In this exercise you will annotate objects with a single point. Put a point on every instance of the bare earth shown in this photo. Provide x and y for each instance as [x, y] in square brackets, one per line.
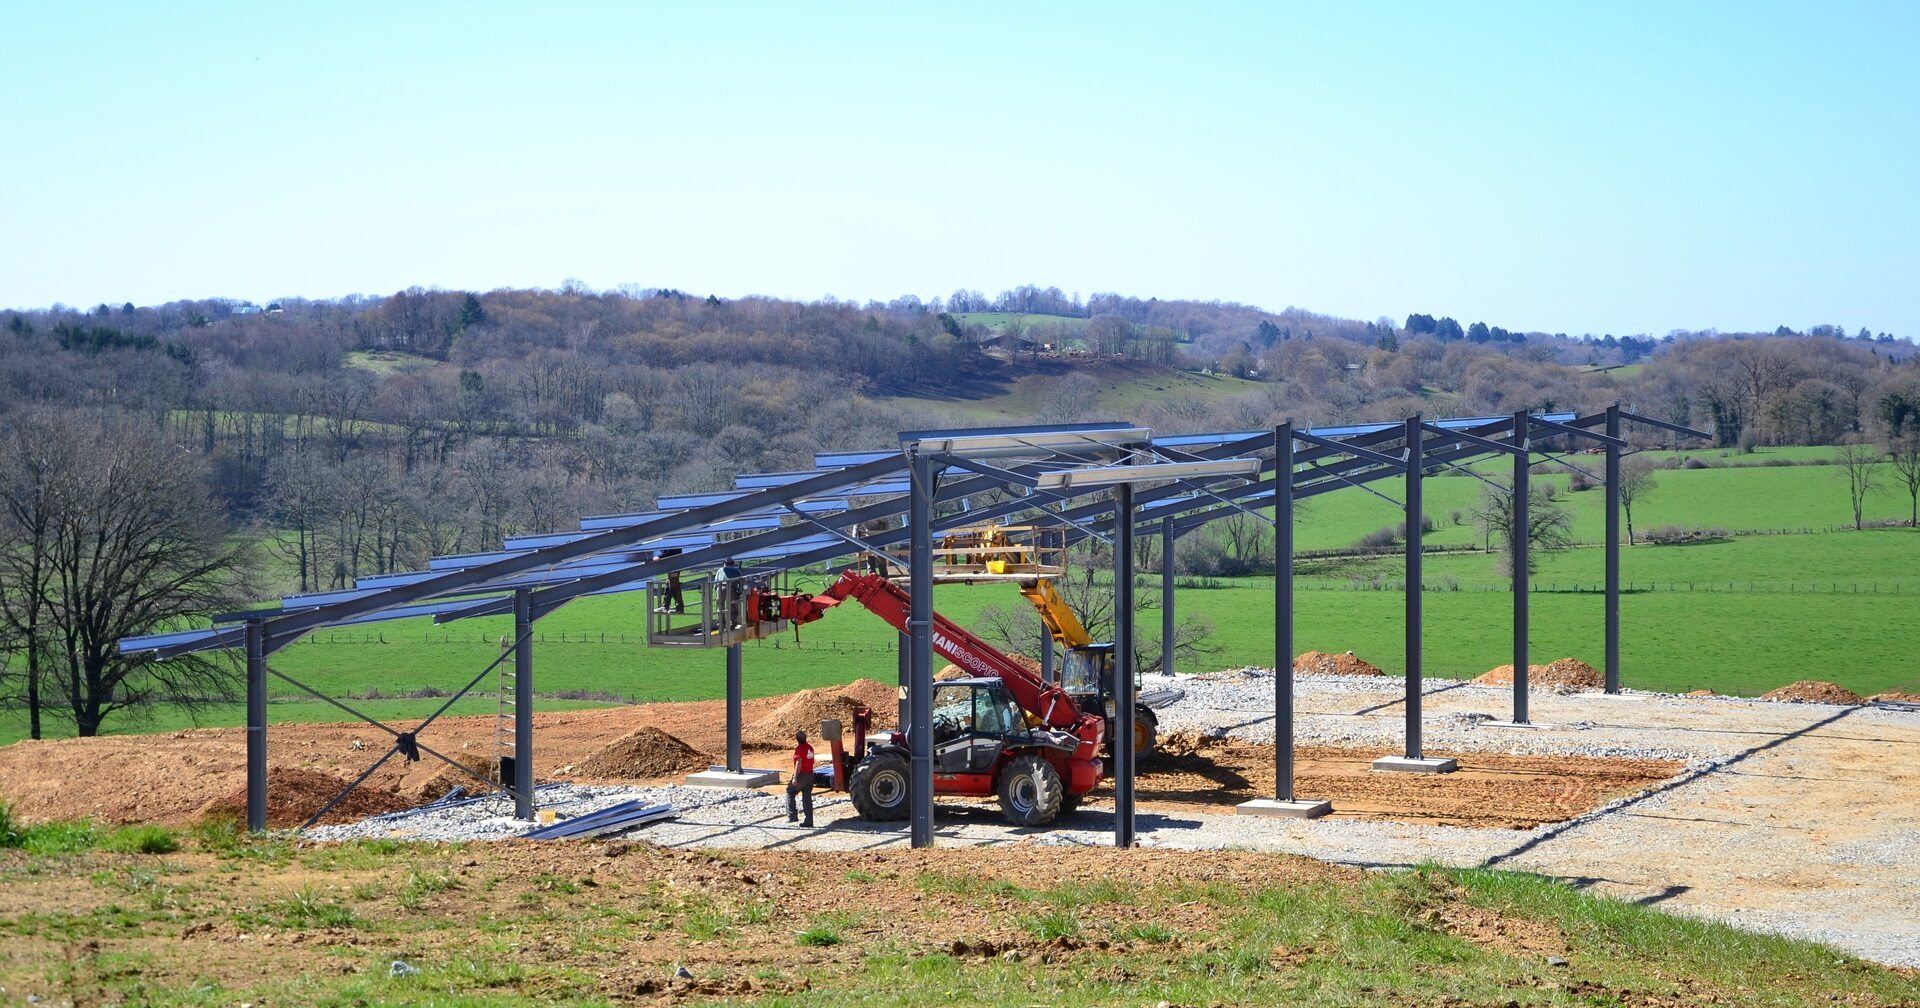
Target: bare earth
[1798, 818]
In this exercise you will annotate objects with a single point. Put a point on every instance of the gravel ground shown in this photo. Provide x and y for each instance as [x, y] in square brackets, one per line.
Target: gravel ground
[1792, 818]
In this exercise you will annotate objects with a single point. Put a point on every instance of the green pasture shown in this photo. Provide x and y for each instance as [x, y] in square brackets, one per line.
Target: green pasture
[1737, 616]
[1121, 392]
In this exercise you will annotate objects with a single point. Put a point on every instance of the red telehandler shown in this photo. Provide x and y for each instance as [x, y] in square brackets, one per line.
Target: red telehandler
[1001, 732]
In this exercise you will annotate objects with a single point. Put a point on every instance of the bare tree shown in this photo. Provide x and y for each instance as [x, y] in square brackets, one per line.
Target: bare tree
[137, 546]
[1861, 465]
[1549, 528]
[1636, 478]
[33, 486]
[1903, 452]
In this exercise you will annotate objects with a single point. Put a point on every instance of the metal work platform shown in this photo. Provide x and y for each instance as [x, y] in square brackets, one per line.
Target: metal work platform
[708, 613]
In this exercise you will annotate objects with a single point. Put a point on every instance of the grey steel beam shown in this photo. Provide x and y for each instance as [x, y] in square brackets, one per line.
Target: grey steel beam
[920, 627]
[1578, 431]
[1613, 445]
[1441, 434]
[1046, 655]
[1663, 425]
[523, 704]
[1283, 614]
[1123, 692]
[733, 709]
[612, 539]
[1166, 599]
[1521, 532]
[1347, 448]
[1415, 544]
[256, 637]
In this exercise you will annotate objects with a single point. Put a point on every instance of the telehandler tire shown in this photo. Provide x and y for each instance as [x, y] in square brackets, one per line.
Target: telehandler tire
[1030, 791]
[879, 787]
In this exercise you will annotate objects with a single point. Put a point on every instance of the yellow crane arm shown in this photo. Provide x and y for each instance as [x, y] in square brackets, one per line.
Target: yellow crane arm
[1055, 614]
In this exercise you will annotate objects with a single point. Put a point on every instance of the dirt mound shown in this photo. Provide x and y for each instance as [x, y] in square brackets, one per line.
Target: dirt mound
[1895, 697]
[1690, 693]
[294, 794]
[949, 672]
[646, 753]
[449, 778]
[1322, 663]
[1568, 672]
[1814, 691]
[807, 708]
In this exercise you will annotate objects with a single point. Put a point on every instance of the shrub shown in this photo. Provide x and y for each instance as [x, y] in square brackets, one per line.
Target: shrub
[1694, 463]
[1579, 483]
[1378, 539]
[143, 840]
[10, 835]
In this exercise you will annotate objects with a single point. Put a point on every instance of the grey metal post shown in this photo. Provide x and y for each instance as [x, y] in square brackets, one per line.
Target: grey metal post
[906, 664]
[1166, 596]
[920, 627]
[1123, 693]
[1413, 587]
[1046, 655]
[1521, 533]
[256, 726]
[1613, 549]
[733, 709]
[523, 703]
[1283, 612]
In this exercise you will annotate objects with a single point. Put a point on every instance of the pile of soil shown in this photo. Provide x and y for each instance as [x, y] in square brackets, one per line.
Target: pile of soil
[1571, 673]
[1814, 691]
[644, 754]
[447, 778]
[1689, 693]
[1322, 663]
[807, 708]
[293, 794]
[1895, 696]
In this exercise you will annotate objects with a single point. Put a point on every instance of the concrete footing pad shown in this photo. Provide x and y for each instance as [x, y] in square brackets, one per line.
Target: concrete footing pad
[1283, 809]
[1513, 724]
[721, 777]
[1408, 764]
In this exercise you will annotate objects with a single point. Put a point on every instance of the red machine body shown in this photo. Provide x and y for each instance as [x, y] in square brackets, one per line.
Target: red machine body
[1072, 737]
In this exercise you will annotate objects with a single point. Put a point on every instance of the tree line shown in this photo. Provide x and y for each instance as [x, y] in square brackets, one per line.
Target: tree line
[352, 436]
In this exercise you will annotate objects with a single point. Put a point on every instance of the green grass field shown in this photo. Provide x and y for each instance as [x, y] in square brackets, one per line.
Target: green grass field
[1740, 616]
[1123, 390]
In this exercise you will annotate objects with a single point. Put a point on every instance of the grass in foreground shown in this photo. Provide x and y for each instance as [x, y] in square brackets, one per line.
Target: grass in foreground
[234, 917]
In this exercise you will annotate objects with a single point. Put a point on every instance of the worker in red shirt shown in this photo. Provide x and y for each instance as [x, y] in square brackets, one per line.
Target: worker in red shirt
[802, 781]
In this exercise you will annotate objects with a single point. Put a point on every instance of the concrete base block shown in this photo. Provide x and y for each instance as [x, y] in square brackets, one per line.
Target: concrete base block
[1407, 764]
[1283, 809]
[721, 777]
[1513, 724]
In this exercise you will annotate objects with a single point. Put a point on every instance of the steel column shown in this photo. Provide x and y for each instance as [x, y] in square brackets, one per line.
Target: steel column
[1613, 549]
[920, 627]
[256, 726]
[1521, 534]
[1123, 692]
[1283, 613]
[733, 709]
[1414, 546]
[1046, 655]
[1166, 598]
[523, 703]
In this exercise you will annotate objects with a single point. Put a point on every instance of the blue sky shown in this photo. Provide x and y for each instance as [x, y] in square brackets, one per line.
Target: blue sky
[1563, 167]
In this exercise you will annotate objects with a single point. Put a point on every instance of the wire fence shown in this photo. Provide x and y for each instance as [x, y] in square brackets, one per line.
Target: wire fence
[1597, 587]
[615, 639]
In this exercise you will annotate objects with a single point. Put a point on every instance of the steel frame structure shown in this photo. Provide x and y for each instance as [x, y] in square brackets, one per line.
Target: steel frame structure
[773, 522]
